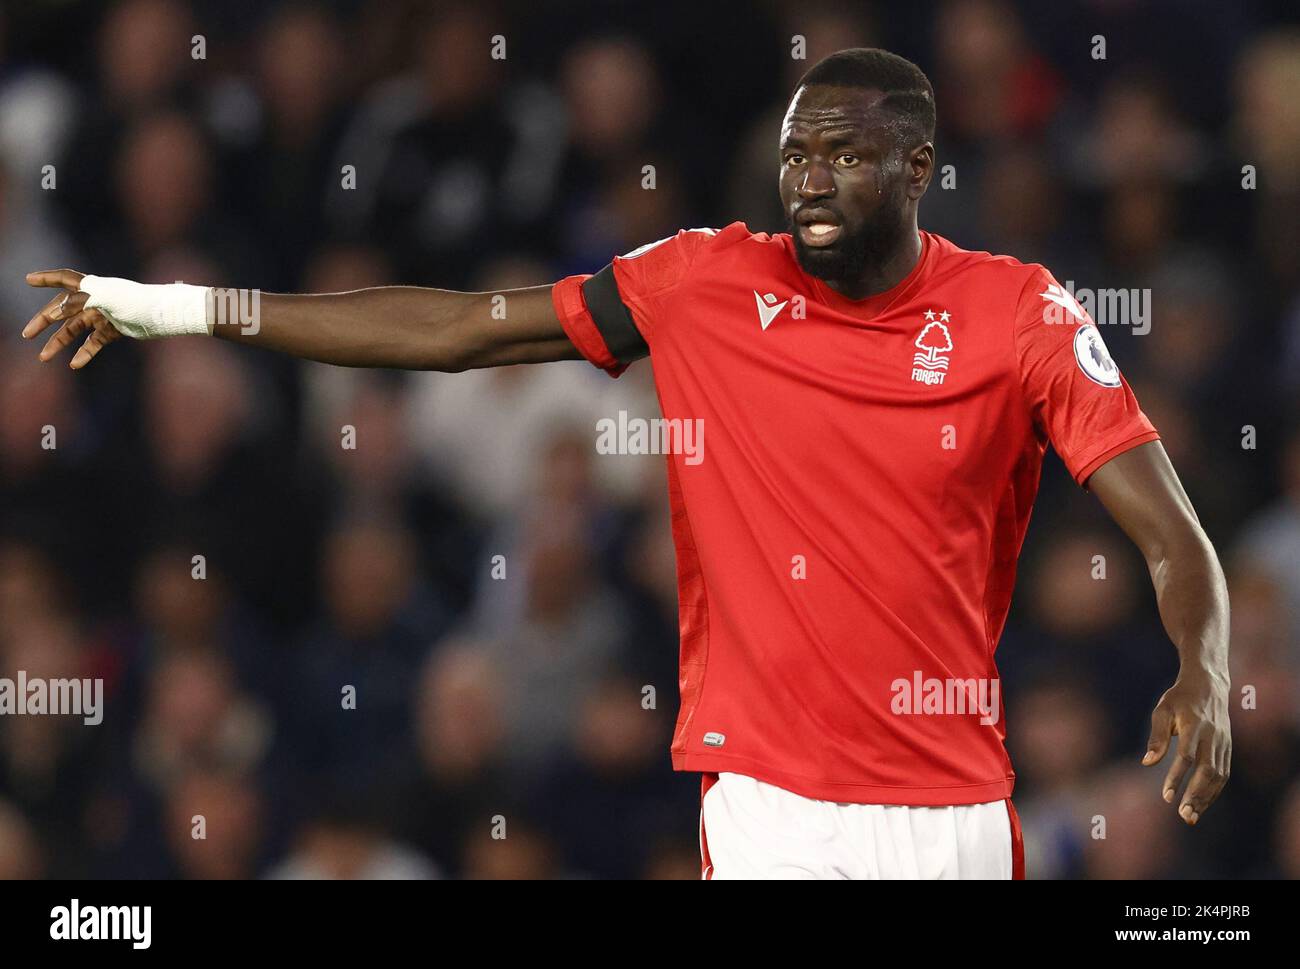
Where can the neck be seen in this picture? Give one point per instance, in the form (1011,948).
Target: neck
(885,275)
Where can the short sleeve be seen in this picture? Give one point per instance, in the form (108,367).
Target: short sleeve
(571,308)
(1075,393)
(612,316)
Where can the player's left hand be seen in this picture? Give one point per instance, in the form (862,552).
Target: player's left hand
(1195,709)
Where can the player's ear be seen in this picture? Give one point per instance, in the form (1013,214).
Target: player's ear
(920,169)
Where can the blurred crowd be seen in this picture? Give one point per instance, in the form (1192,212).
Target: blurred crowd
(499,599)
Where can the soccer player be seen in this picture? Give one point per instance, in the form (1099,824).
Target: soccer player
(877,404)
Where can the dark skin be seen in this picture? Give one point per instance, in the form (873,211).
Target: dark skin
(839,157)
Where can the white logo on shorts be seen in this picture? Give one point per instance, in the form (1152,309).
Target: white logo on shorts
(714,739)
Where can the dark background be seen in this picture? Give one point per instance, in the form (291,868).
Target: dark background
(523,698)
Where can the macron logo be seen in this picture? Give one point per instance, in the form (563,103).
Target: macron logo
(768,308)
(1064,298)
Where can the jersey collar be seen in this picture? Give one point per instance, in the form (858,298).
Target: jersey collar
(872,306)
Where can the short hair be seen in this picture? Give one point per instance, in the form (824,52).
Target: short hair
(908,92)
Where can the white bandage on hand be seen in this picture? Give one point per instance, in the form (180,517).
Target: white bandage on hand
(147,311)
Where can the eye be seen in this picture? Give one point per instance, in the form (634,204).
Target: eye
(795,159)
(846,159)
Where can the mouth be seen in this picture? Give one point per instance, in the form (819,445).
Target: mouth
(818,228)
(819,234)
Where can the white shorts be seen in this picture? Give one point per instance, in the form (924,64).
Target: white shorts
(750,829)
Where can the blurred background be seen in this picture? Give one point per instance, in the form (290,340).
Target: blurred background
(525,698)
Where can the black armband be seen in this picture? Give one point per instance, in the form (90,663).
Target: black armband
(612,318)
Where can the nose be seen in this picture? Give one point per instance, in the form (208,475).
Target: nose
(817,181)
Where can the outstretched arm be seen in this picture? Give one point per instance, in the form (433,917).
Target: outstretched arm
(1142,493)
(405,327)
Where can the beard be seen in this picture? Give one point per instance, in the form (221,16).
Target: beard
(871,244)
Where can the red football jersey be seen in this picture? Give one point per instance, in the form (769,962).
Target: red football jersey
(847,533)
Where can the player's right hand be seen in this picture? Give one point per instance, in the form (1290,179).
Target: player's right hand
(69,307)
